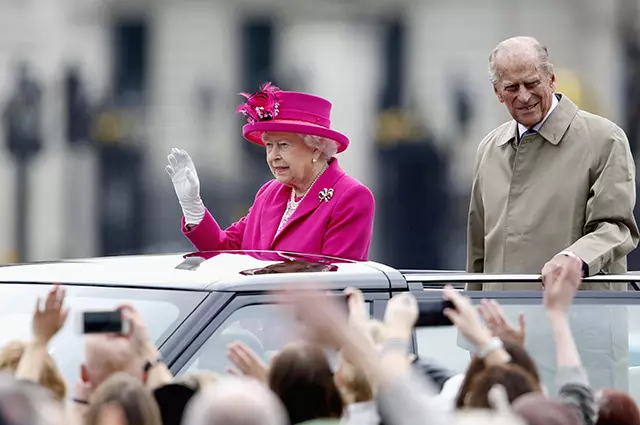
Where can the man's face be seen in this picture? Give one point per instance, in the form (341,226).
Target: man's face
(523,88)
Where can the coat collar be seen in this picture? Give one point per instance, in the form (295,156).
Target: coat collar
(311,201)
(553,128)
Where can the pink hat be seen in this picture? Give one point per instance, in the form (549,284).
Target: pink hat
(272,109)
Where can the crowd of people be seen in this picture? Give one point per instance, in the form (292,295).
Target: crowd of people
(376,379)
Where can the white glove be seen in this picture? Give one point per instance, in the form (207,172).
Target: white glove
(186,184)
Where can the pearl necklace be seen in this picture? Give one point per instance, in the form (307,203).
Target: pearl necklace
(292,204)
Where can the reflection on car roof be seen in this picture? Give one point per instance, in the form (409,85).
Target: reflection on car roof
(217,270)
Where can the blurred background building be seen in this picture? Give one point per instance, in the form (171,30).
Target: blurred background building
(96,93)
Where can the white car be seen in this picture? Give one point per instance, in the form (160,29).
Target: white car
(196,304)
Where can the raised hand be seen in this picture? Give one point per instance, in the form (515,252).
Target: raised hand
(49,317)
(562,287)
(499,324)
(186,184)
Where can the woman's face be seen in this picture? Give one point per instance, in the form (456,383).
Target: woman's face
(290,159)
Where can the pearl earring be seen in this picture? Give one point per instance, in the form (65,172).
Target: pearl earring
(315,160)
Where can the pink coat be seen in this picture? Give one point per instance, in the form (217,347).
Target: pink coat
(341,227)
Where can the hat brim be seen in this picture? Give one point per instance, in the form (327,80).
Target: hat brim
(253,132)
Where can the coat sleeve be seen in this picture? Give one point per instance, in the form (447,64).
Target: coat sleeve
(610,230)
(475,224)
(350,228)
(208,236)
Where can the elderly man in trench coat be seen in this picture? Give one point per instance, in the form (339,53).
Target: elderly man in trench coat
(554,185)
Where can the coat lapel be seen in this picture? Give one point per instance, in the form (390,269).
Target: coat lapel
(273,212)
(509,133)
(554,128)
(312,200)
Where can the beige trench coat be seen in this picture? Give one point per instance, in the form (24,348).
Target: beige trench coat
(571,186)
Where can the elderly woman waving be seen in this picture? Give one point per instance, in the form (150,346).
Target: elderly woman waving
(312,206)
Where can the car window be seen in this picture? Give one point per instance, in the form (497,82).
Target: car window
(607,336)
(163,311)
(265,328)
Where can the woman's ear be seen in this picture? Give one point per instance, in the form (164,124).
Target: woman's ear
(84,376)
(338,377)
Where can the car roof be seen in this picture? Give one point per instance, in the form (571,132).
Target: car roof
(212,271)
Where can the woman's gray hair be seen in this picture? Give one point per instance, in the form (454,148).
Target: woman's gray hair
(327,147)
(521,43)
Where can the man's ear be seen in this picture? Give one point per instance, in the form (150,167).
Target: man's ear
(338,377)
(84,375)
(500,98)
(145,373)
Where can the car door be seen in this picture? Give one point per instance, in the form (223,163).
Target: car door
(257,320)
(605,326)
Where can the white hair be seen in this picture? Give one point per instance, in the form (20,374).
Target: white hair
(521,43)
(327,147)
(235,401)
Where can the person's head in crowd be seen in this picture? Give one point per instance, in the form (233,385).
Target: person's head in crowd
(27,403)
(537,409)
(197,379)
(106,354)
(301,376)
(519,357)
(351,380)
(616,408)
(173,399)
(515,380)
(51,378)
(235,401)
(130,394)
(499,412)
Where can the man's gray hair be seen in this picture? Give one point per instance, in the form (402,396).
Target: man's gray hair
(520,44)
(235,401)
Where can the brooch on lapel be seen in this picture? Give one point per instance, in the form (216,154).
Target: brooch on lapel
(325,194)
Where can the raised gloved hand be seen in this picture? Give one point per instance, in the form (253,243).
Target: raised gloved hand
(186,184)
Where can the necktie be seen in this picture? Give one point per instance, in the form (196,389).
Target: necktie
(526,133)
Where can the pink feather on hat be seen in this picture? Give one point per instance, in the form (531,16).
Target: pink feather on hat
(262,105)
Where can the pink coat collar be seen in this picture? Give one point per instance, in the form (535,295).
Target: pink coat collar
(274,211)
